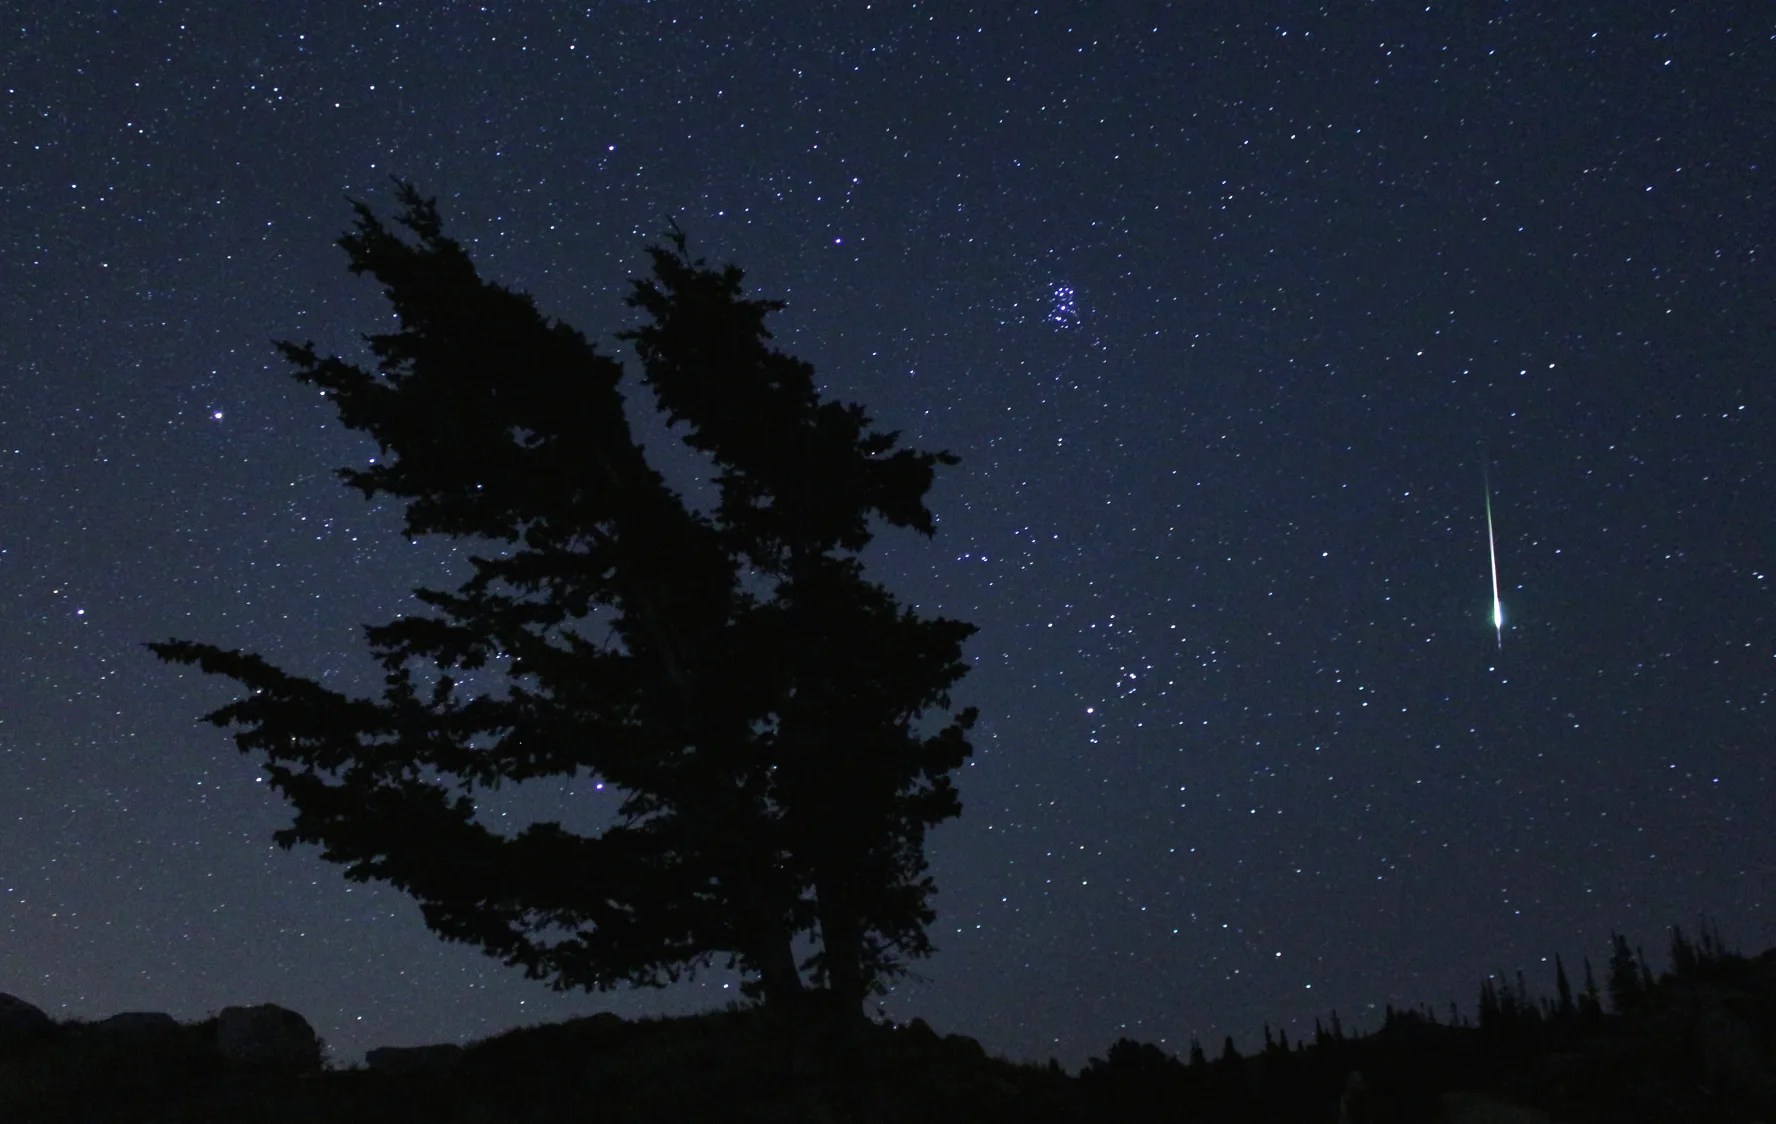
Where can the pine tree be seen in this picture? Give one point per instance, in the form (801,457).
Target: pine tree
(1492,1008)
(1714,950)
(1684,960)
(1625,988)
(1711,950)
(759,706)
(1590,999)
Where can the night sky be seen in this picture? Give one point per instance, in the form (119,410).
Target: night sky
(1233,312)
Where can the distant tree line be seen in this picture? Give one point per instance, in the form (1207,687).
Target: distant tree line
(1684,1044)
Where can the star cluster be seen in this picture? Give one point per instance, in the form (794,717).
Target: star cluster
(1230,313)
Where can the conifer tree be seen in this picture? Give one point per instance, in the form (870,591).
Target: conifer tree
(1625,987)
(1563,989)
(1712,950)
(1489,1003)
(761,708)
(1590,999)
(1684,960)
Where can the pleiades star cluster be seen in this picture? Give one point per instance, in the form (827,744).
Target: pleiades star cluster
(1243,319)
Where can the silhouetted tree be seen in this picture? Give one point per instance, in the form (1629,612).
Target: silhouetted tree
(1505,1007)
(1625,985)
(1563,989)
(1684,961)
(1711,949)
(1590,999)
(756,704)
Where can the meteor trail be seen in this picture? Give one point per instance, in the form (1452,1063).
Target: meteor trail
(1498,609)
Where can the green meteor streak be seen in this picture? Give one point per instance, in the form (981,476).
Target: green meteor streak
(1498,608)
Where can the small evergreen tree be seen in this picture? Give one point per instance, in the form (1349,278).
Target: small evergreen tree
(1684,960)
(1590,999)
(1491,1008)
(1625,986)
(1713,950)
(1564,1008)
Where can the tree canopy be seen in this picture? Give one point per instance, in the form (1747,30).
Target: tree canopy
(777,726)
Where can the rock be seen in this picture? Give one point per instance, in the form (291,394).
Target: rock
(142,1024)
(21,1023)
(267,1037)
(413,1059)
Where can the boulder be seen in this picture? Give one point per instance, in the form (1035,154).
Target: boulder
(413,1059)
(21,1023)
(267,1037)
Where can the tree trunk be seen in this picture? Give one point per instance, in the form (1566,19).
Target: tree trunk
(841,944)
(779,980)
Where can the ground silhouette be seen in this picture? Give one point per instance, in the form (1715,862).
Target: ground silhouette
(1697,1044)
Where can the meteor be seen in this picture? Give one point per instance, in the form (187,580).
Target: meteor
(1498,608)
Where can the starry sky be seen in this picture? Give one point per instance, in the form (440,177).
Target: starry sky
(1236,314)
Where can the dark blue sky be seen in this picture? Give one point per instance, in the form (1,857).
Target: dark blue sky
(1226,308)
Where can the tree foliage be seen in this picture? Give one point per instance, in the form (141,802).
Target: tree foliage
(762,708)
